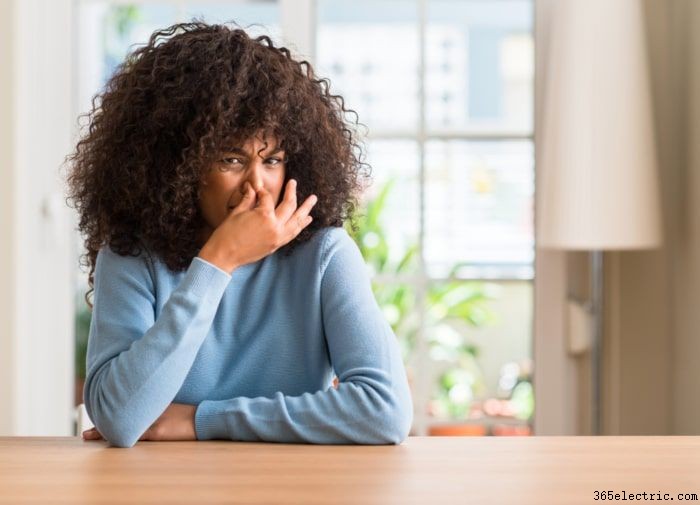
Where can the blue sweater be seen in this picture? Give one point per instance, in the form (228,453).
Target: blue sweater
(256,351)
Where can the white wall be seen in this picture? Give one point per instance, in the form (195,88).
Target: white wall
(7,203)
(686,345)
(654,321)
(36,249)
(652,339)
(557,405)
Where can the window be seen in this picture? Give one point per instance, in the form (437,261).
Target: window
(445,89)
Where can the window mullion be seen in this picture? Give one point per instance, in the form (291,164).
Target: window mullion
(422,371)
(299,26)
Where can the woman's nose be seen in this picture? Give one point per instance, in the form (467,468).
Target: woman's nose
(255,174)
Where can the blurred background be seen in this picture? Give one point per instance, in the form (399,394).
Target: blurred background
(499,323)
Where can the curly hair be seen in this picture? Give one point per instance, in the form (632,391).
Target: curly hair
(168,111)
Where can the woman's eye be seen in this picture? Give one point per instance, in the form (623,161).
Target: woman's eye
(273,161)
(230,162)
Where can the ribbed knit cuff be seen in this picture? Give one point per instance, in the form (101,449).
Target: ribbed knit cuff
(209,424)
(202,277)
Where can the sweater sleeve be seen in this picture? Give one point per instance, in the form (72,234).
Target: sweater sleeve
(136,364)
(372,404)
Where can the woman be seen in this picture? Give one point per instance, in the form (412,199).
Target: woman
(222,307)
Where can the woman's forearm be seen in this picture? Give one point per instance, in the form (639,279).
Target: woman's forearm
(370,406)
(136,366)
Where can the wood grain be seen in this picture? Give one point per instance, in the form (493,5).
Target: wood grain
(423,470)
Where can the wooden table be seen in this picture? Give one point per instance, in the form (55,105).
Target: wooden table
(483,470)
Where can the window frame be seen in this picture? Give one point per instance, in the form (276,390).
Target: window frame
(421,281)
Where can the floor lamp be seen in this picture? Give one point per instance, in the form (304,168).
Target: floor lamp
(597,180)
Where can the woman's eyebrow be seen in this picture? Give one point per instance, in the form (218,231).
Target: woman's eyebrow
(238,150)
(277,150)
(235,150)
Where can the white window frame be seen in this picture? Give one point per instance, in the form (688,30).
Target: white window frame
(422,385)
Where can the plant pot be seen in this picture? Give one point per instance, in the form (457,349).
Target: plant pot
(457,430)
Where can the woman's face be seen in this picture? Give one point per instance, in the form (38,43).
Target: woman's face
(259,160)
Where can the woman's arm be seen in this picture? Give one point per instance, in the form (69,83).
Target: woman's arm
(136,364)
(372,404)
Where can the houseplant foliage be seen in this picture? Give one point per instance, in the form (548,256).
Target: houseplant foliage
(452,307)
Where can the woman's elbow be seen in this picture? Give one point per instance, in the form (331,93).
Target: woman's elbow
(117,432)
(395,421)
(122,439)
(114,428)
(399,426)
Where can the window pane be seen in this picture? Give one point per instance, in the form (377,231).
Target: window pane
(369,50)
(258,18)
(394,173)
(479,59)
(479,338)
(479,208)
(108,31)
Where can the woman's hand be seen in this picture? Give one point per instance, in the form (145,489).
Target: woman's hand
(251,232)
(176,423)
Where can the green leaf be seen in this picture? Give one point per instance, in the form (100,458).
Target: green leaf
(408,256)
(376,206)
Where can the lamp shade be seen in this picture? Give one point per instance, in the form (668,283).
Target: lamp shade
(598,185)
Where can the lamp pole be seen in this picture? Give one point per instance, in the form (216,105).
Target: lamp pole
(597,308)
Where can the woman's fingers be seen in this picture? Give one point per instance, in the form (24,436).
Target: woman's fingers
(305,208)
(92,434)
(286,208)
(247,202)
(265,200)
(274,227)
(301,218)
